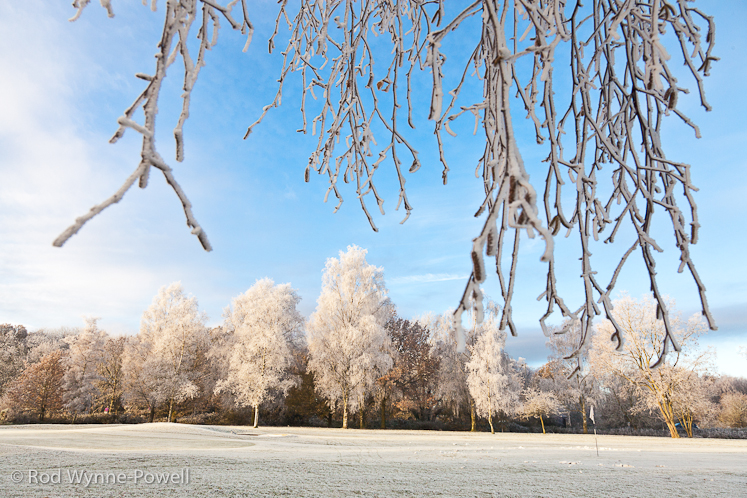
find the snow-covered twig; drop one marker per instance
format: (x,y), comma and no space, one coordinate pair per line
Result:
(179,18)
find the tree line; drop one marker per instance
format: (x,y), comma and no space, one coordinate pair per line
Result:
(356,358)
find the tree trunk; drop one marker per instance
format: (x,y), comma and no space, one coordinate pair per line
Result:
(383,412)
(171,410)
(256,416)
(672,429)
(543,424)
(582,400)
(152,413)
(329,418)
(490,421)
(344,412)
(361,419)
(667,413)
(687,422)
(472,413)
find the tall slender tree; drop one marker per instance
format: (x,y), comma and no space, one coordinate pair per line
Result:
(160,361)
(348,344)
(80,364)
(492,383)
(13,350)
(569,371)
(263,327)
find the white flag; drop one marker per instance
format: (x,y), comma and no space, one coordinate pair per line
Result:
(591,416)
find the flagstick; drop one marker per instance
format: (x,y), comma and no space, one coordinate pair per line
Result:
(593,421)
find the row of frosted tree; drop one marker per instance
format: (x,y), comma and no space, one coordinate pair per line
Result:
(355,357)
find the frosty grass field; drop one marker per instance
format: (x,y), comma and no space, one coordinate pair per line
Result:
(206,461)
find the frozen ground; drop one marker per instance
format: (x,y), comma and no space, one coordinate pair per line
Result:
(300,462)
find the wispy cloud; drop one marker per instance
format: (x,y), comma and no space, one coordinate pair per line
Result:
(426,278)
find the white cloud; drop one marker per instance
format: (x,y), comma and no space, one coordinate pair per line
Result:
(426,278)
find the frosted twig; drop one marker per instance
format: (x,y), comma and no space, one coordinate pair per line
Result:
(179,17)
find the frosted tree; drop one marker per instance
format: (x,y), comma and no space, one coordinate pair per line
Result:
(263,326)
(39,387)
(491,381)
(141,385)
(646,338)
(733,409)
(414,372)
(451,383)
(692,401)
(110,383)
(41,343)
(13,350)
(160,361)
(348,346)
(81,367)
(623,86)
(540,404)
(569,372)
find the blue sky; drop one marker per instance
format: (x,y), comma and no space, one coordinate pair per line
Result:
(63,86)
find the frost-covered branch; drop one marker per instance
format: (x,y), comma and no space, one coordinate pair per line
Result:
(330,46)
(179,19)
(622,88)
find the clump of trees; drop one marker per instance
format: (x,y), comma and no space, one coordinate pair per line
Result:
(355,355)
(672,385)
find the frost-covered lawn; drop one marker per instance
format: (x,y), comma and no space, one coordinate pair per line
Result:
(299,462)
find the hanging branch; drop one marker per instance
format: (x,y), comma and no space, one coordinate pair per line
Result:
(622,88)
(180,16)
(329,45)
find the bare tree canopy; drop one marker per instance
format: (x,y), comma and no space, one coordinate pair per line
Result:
(610,112)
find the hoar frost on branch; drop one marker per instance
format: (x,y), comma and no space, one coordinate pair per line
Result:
(611,102)
(179,20)
(622,88)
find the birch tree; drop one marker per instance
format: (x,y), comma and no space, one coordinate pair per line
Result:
(490,379)
(81,367)
(569,369)
(452,389)
(637,363)
(348,345)
(540,404)
(13,350)
(733,409)
(110,383)
(160,360)
(692,399)
(263,327)
(623,89)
